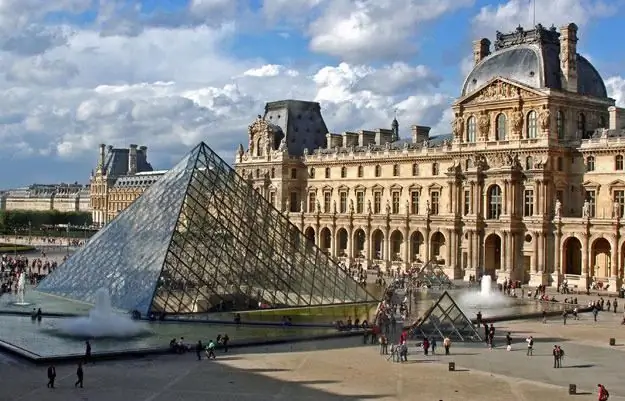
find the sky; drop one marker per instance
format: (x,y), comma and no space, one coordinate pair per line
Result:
(171,73)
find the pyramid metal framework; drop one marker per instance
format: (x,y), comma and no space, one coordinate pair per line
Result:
(433,275)
(446,319)
(200,240)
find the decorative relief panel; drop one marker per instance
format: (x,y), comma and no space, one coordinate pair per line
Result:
(500,90)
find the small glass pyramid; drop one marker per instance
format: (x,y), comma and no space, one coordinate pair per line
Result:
(433,276)
(201,240)
(446,319)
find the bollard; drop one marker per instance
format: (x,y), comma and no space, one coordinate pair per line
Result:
(613,341)
(452,366)
(572,389)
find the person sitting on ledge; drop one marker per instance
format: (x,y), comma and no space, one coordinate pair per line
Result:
(33,315)
(173,346)
(365,324)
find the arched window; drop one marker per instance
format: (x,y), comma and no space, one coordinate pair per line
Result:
(395,170)
(343,172)
(618,162)
(531,125)
(434,168)
(327,172)
(581,126)
(259,147)
(360,172)
(560,124)
(529,163)
(312,172)
(471,129)
(415,169)
(502,128)
(378,171)
(590,163)
(257,173)
(494,202)
(273,172)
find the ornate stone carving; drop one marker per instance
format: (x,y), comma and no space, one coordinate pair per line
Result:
(586,209)
(516,122)
(388,207)
(369,207)
(558,208)
(427,208)
(544,119)
(483,124)
(458,126)
(407,206)
(302,205)
(500,90)
(334,210)
(616,210)
(318,207)
(351,206)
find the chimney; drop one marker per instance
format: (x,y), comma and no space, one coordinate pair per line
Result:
(420,133)
(132,159)
(617,118)
(102,154)
(481,50)
(568,57)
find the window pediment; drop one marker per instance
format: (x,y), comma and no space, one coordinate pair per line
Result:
(396,188)
(434,187)
(377,188)
(591,185)
(360,188)
(327,188)
(616,184)
(343,188)
(311,189)
(415,187)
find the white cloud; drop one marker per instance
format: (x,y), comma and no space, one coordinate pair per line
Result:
(616,89)
(270,70)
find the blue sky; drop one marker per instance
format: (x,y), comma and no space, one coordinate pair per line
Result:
(170,73)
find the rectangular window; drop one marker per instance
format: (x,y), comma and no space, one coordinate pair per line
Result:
(327,200)
(395,203)
(343,202)
(414,202)
(360,202)
(560,164)
(434,203)
(619,199)
(312,202)
(467,202)
(592,201)
(294,204)
(528,203)
(293,173)
(377,202)
(272,198)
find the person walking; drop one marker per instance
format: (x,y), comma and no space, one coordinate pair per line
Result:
(556,357)
(508,342)
(80,374)
(603,393)
(530,345)
(198,350)
(210,350)
(51,376)
(87,351)
(224,341)
(447,345)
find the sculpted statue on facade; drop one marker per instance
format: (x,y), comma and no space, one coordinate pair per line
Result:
(586,209)
(483,123)
(558,208)
(318,207)
(427,208)
(334,210)
(351,206)
(458,127)
(616,210)
(516,122)
(369,206)
(282,146)
(407,206)
(388,207)
(545,119)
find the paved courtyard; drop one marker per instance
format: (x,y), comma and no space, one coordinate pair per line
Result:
(344,369)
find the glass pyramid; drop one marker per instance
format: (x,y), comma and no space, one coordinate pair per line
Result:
(200,240)
(446,319)
(433,276)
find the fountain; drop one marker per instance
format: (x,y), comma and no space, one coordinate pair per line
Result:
(486,297)
(21,290)
(102,322)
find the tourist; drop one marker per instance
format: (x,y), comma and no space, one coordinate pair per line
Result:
(556,357)
(383,345)
(80,375)
(426,346)
(603,393)
(544,316)
(226,339)
(433,346)
(478,318)
(210,350)
(87,351)
(198,350)
(403,352)
(508,342)
(530,345)
(51,376)
(615,305)
(446,344)
(565,314)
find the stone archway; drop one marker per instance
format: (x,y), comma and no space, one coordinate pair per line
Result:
(397,246)
(416,247)
(572,256)
(310,234)
(377,245)
(341,242)
(437,245)
(492,254)
(325,239)
(601,260)
(359,243)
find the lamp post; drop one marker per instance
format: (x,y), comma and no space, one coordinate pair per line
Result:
(30,231)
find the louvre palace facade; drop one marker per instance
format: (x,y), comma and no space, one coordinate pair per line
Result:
(529,184)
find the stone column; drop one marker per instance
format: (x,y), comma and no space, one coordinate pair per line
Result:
(386,248)
(504,252)
(367,245)
(583,283)
(614,280)
(350,243)
(333,241)
(541,253)
(505,198)
(546,198)
(538,200)
(448,246)
(472,199)
(407,248)
(557,274)
(450,196)
(535,255)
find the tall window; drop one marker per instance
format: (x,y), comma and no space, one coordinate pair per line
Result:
(395,202)
(467,202)
(619,198)
(343,202)
(529,163)
(494,202)
(360,201)
(343,172)
(272,198)
(360,172)
(531,128)
(294,203)
(273,172)
(395,170)
(312,172)
(327,172)
(327,202)
(591,197)
(560,124)
(502,128)
(312,202)
(618,162)
(434,202)
(415,169)
(377,202)
(293,173)
(581,125)
(560,164)
(435,168)
(528,203)
(414,202)
(378,170)
(590,163)
(471,129)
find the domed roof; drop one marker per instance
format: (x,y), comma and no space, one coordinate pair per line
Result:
(532,58)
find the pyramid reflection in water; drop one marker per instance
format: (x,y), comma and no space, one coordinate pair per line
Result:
(199,240)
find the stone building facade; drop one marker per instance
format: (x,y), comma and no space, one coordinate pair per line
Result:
(529,185)
(39,197)
(121,176)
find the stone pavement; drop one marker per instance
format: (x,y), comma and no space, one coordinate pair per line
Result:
(344,369)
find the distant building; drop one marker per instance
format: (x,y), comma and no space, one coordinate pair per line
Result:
(121,176)
(40,197)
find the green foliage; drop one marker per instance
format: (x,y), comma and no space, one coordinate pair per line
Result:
(35,220)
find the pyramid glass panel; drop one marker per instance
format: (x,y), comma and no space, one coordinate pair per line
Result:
(202,240)
(432,275)
(446,319)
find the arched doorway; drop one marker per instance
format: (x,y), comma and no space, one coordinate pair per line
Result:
(601,258)
(325,239)
(437,245)
(416,244)
(572,256)
(310,234)
(377,245)
(359,243)
(492,254)
(341,242)
(397,246)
